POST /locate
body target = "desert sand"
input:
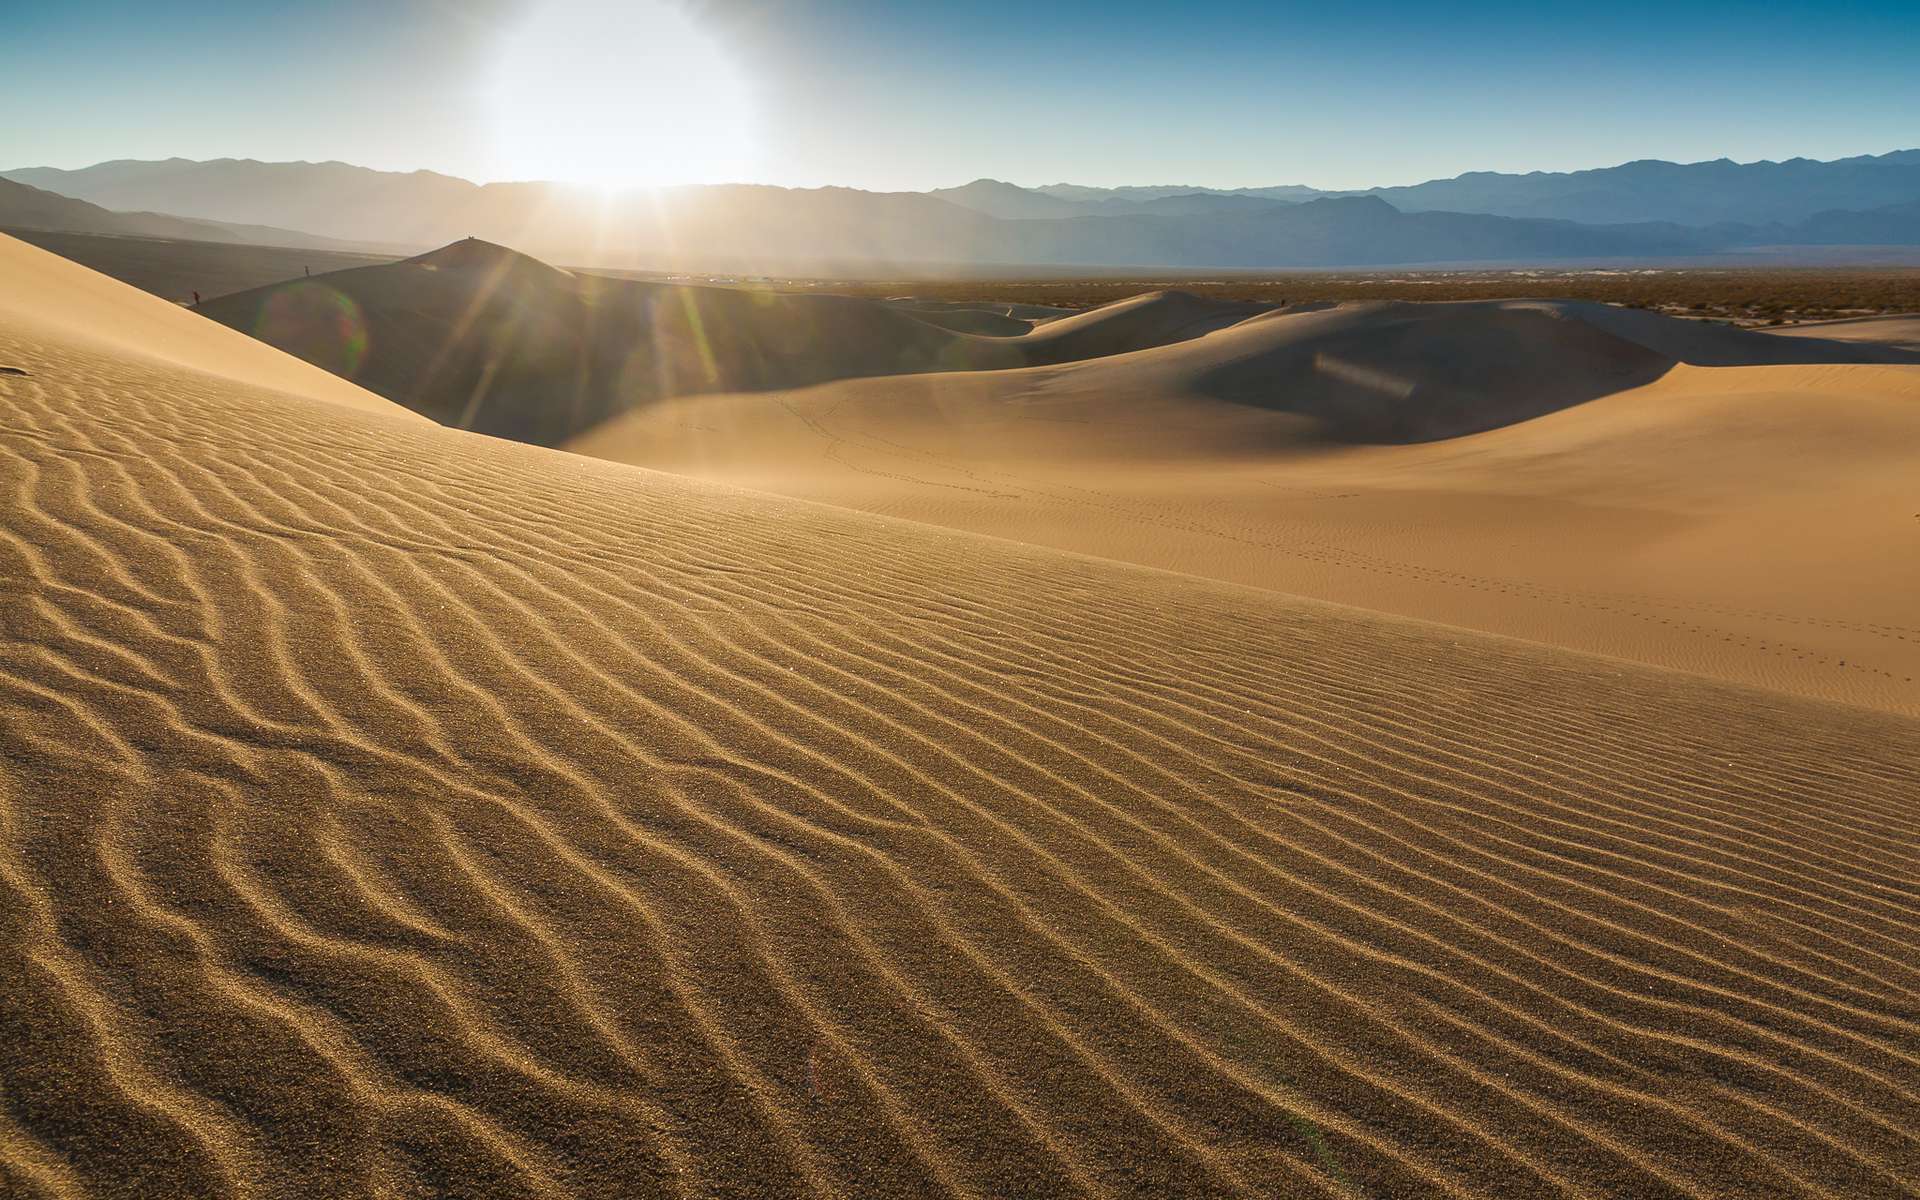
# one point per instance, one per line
(1678, 494)
(1902, 331)
(386, 809)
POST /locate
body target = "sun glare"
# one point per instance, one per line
(619, 93)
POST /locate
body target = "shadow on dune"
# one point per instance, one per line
(1398, 372)
(483, 338)
(1415, 373)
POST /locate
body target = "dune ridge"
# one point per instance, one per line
(391, 810)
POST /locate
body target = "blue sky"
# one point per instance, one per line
(897, 95)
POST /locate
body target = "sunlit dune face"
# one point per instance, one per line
(619, 93)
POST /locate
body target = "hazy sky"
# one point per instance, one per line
(890, 94)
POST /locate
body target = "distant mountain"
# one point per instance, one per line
(1193, 204)
(24, 207)
(332, 199)
(750, 223)
(1336, 231)
(1010, 202)
(1893, 225)
(833, 230)
(1703, 193)
(752, 229)
(1135, 195)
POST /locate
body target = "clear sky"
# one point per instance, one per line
(889, 94)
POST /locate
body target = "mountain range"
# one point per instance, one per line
(1636, 211)
(24, 207)
(1702, 193)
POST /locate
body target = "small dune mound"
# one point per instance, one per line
(1898, 332)
(983, 322)
(1419, 372)
(1138, 323)
(497, 263)
(1396, 371)
(1705, 344)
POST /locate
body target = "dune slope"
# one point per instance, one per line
(45, 297)
(390, 810)
(1587, 477)
(174, 269)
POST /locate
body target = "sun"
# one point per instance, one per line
(616, 94)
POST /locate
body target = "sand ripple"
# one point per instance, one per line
(385, 810)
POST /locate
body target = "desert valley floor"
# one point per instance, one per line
(392, 810)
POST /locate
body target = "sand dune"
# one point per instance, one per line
(46, 296)
(480, 337)
(1901, 332)
(391, 810)
(973, 321)
(483, 338)
(1754, 523)
(1141, 323)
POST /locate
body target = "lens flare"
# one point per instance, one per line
(317, 323)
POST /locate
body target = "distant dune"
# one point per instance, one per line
(1668, 491)
(1899, 332)
(482, 338)
(389, 810)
